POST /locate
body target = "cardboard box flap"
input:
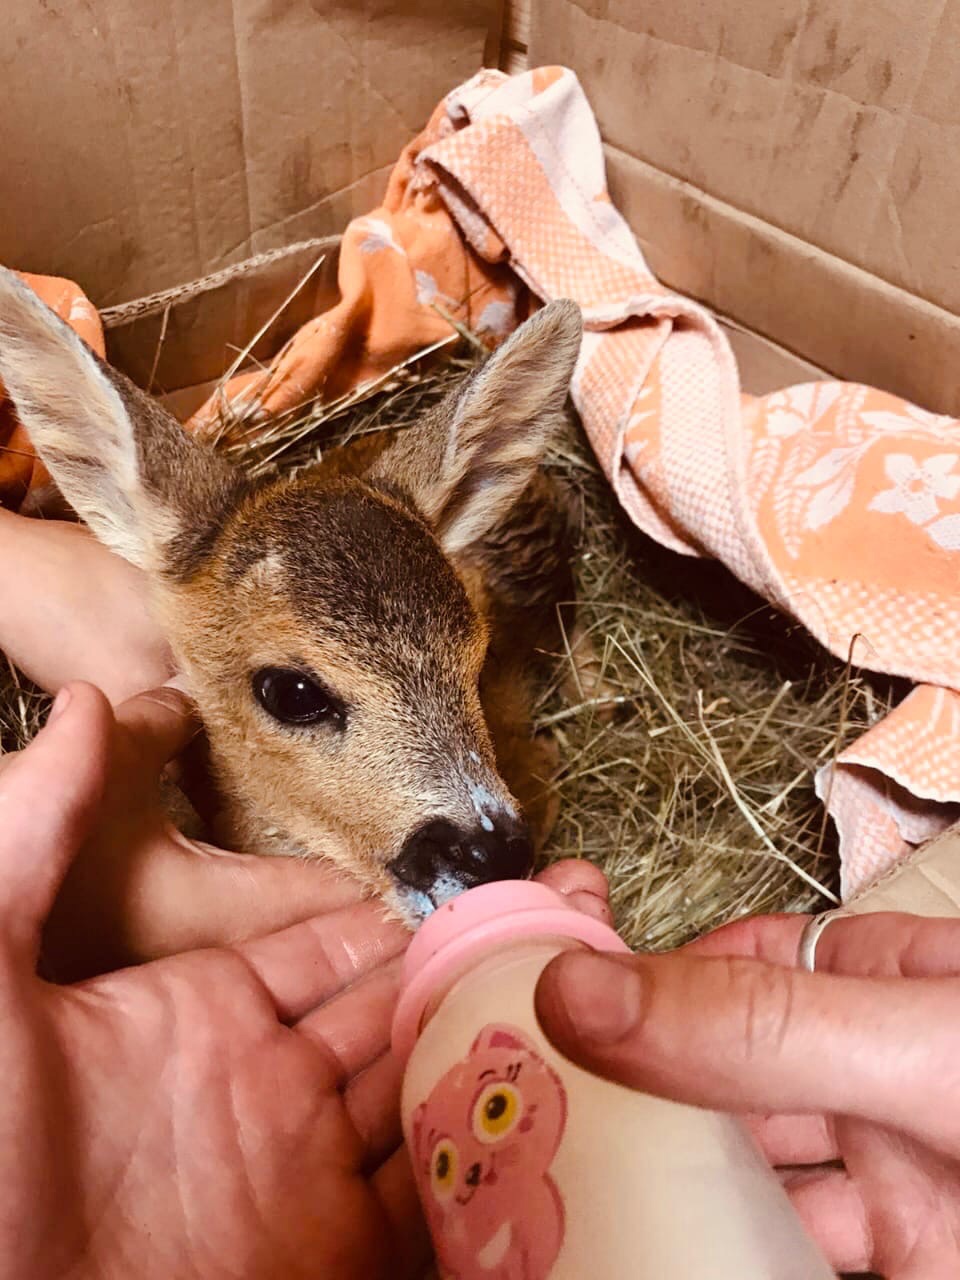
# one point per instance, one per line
(147, 144)
(787, 164)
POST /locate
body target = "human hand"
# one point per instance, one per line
(223, 1113)
(72, 610)
(859, 1063)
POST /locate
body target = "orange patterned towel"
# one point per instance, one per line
(838, 503)
(404, 273)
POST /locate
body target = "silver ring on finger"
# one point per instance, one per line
(812, 933)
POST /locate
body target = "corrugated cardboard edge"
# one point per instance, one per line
(819, 307)
(180, 341)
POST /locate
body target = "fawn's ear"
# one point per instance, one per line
(467, 467)
(124, 464)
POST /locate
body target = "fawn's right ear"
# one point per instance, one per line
(477, 453)
(146, 489)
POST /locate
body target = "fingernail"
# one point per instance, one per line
(179, 682)
(598, 998)
(60, 703)
(173, 697)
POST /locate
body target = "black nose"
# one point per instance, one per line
(473, 1176)
(440, 858)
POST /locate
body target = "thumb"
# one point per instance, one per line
(49, 794)
(743, 1035)
(160, 723)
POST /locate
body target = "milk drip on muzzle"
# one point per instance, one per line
(527, 1165)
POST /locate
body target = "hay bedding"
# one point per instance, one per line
(692, 784)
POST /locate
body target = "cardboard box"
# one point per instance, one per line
(783, 163)
(791, 165)
(145, 144)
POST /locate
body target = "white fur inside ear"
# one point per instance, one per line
(503, 425)
(73, 415)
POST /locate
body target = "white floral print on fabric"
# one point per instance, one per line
(377, 235)
(945, 532)
(785, 422)
(799, 408)
(427, 290)
(497, 319)
(817, 485)
(831, 480)
(917, 486)
(908, 417)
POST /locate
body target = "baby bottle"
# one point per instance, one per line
(527, 1166)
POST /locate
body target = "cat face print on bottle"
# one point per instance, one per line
(483, 1144)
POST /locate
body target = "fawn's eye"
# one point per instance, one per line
(292, 697)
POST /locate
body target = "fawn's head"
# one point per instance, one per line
(326, 634)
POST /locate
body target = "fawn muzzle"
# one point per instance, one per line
(441, 860)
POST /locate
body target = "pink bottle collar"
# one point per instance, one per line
(471, 923)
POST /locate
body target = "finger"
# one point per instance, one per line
(192, 771)
(876, 944)
(583, 885)
(48, 799)
(795, 1139)
(373, 1102)
(397, 1193)
(890, 945)
(773, 938)
(160, 724)
(353, 1028)
(741, 1035)
(591, 906)
(575, 875)
(832, 1209)
(173, 894)
(311, 962)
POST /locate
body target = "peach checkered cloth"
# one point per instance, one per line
(838, 503)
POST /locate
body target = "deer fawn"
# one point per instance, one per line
(360, 638)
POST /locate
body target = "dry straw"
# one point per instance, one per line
(691, 781)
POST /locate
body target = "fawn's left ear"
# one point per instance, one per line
(472, 461)
(146, 489)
